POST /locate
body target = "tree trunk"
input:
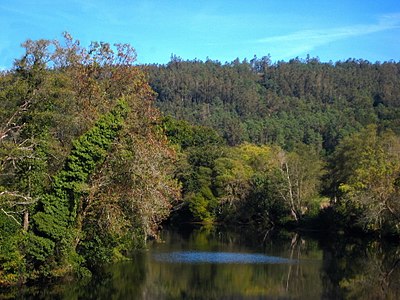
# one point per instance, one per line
(26, 220)
(290, 189)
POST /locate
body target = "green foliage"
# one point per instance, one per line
(181, 133)
(66, 178)
(285, 103)
(39, 248)
(200, 146)
(57, 216)
(199, 195)
(366, 175)
(12, 262)
(8, 226)
(98, 250)
(199, 205)
(265, 208)
(233, 184)
(84, 177)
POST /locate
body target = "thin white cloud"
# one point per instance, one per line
(307, 40)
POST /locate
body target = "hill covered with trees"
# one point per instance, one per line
(284, 103)
(96, 152)
(306, 139)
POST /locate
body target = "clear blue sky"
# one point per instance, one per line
(219, 29)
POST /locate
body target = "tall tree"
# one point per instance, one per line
(64, 135)
(300, 178)
(367, 174)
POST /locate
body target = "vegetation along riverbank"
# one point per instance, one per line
(96, 151)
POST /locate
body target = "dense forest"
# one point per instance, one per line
(304, 141)
(284, 103)
(96, 152)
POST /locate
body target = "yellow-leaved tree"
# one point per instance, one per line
(368, 163)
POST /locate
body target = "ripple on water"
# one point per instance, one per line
(220, 258)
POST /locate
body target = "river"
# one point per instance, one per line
(210, 263)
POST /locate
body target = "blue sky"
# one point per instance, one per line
(220, 29)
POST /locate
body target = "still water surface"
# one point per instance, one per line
(218, 264)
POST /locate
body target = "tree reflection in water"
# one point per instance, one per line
(328, 268)
(377, 275)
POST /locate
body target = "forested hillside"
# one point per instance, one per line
(284, 103)
(310, 142)
(90, 168)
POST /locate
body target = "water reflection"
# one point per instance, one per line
(212, 264)
(220, 258)
(215, 264)
(360, 269)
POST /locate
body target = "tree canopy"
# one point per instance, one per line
(97, 152)
(84, 167)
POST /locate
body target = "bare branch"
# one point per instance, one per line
(28, 200)
(11, 125)
(10, 216)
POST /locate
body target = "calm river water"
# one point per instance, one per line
(218, 264)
